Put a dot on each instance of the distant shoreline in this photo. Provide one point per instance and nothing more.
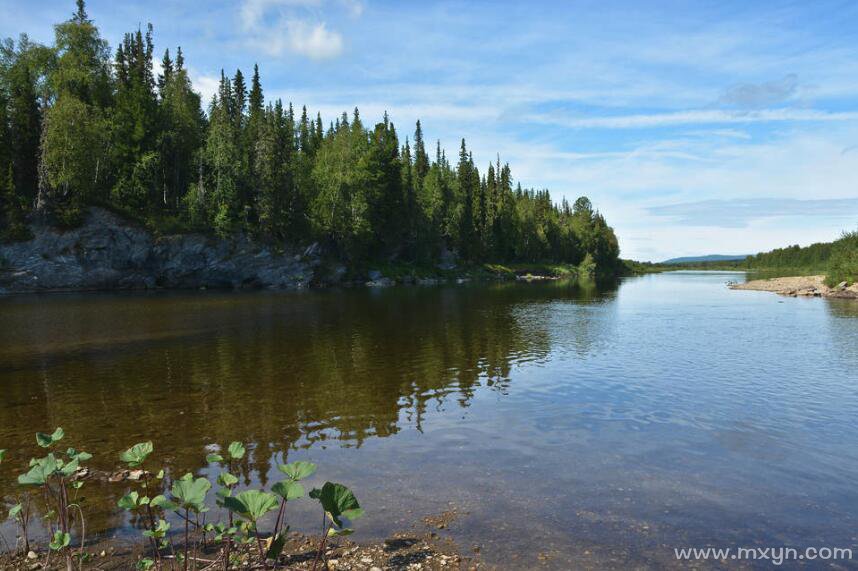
(800, 286)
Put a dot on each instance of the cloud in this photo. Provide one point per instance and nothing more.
(691, 117)
(739, 213)
(759, 95)
(314, 40)
(205, 85)
(253, 11)
(276, 26)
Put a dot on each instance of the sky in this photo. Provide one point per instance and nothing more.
(694, 127)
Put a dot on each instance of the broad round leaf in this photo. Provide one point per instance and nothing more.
(161, 501)
(128, 501)
(337, 500)
(236, 450)
(137, 454)
(298, 470)
(15, 510)
(190, 493)
(251, 504)
(40, 471)
(288, 489)
(46, 440)
(226, 479)
(214, 458)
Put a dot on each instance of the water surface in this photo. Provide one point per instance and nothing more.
(567, 425)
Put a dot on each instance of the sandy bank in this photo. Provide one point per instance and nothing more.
(809, 286)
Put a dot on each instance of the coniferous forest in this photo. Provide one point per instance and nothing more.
(83, 125)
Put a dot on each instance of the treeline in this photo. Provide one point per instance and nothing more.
(838, 259)
(815, 256)
(82, 127)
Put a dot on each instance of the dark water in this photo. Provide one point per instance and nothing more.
(589, 427)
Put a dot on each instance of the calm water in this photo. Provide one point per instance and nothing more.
(592, 427)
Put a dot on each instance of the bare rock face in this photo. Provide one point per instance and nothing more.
(108, 252)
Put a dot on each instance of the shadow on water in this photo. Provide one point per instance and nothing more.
(282, 371)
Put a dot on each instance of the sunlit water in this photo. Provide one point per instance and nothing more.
(589, 427)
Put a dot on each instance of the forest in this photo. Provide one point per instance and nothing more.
(83, 125)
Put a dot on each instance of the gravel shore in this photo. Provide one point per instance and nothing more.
(808, 286)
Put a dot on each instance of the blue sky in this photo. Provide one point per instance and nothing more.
(696, 127)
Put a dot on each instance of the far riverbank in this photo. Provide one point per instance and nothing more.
(795, 286)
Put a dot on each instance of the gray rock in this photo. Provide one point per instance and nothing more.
(107, 252)
(381, 282)
(374, 275)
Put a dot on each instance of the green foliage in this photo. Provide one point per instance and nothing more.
(137, 454)
(298, 470)
(843, 264)
(337, 501)
(191, 493)
(236, 450)
(47, 440)
(79, 128)
(239, 541)
(60, 540)
(251, 504)
(288, 490)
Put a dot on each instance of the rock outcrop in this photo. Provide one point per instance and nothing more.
(108, 252)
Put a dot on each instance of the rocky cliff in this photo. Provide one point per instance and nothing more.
(107, 252)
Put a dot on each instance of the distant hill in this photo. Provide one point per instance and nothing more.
(699, 259)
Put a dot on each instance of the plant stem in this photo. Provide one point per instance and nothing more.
(187, 521)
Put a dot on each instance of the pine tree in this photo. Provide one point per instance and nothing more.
(24, 128)
(421, 159)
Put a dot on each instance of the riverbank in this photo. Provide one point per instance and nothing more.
(411, 550)
(800, 286)
(108, 252)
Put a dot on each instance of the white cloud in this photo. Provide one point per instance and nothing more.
(205, 85)
(691, 117)
(276, 26)
(313, 40)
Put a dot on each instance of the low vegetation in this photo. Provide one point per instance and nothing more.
(157, 500)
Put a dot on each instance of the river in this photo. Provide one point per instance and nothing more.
(565, 425)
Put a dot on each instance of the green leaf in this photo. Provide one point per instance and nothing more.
(136, 455)
(298, 470)
(162, 502)
(15, 510)
(42, 469)
(161, 529)
(288, 489)
(129, 501)
(226, 479)
(251, 504)
(337, 500)
(214, 458)
(70, 468)
(277, 544)
(2, 454)
(160, 474)
(46, 440)
(334, 532)
(190, 493)
(145, 564)
(236, 450)
(77, 485)
(60, 540)
(81, 456)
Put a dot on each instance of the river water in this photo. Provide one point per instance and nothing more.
(565, 426)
